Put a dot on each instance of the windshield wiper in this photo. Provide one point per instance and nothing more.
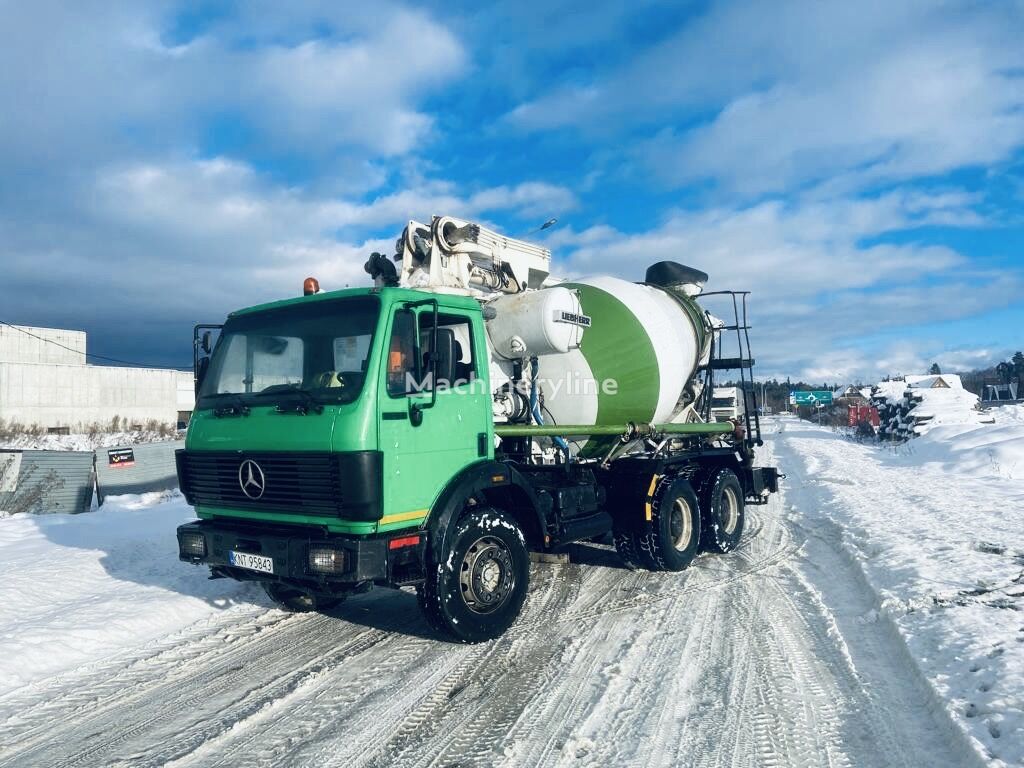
(309, 403)
(236, 408)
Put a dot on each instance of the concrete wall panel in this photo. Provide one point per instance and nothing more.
(77, 396)
(44, 345)
(49, 481)
(152, 469)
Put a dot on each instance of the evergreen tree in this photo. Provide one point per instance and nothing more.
(935, 370)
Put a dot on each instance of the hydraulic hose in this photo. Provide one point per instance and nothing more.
(535, 410)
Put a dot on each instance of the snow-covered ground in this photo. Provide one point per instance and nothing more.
(969, 447)
(1008, 414)
(935, 526)
(869, 618)
(82, 588)
(83, 442)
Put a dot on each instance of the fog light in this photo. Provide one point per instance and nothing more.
(193, 545)
(326, 560)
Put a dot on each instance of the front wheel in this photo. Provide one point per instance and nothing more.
(478, 588)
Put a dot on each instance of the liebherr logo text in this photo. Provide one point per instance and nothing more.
(562, 316)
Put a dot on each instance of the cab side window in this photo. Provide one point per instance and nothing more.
(455, 342)
(402, 368)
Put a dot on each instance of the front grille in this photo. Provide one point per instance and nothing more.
(306, 483)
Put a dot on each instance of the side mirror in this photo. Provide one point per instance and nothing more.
(206, 343)
(427, 362)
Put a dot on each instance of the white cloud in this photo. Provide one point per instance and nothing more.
(362, 92)
(799, 249)
(824, 287)
(899, 358)
(106, 71)
(219, 199)
(798, 92)
(914, 113)
(114, 118)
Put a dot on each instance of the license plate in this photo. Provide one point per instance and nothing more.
(252, 562)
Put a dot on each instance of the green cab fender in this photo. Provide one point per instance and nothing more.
(490, 483)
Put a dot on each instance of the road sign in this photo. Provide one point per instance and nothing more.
(817, 397)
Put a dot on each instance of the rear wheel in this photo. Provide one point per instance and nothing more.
(626, 545)
(672, 536)
(478, 589)
(724, 512)
(296, 601)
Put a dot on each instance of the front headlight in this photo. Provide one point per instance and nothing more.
(192, 544)
(326, 560)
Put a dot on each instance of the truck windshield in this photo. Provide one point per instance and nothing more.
(320, 349)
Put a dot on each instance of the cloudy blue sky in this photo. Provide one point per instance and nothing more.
(859, 166)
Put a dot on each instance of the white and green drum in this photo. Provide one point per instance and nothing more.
(639, 352)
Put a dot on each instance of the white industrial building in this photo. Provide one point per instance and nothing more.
(46, 382)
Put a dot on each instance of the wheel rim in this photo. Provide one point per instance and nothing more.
(486, 575)
(681, 525)
(730, 511)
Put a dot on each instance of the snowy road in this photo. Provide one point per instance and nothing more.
(758, 658)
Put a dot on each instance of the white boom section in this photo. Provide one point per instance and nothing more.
(457, 256)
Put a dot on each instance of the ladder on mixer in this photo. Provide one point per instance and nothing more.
(743, 362)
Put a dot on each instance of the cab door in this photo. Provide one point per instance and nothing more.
(435, 410)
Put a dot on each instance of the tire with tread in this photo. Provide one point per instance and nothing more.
(626, 545)
(723, 512)
(478, 589)
(671, 539)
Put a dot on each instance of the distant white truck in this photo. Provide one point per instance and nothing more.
(727, 403)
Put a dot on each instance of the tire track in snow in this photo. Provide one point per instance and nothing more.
(734, 662)
(452, 723)
(638, 717)
(194, 694)
(187, 644)
(373, 700)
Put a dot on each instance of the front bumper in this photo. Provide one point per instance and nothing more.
(365, 559)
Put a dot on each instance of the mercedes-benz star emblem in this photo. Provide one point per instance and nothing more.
(250, 477)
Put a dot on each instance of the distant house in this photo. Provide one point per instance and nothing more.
(999, 393)
(852, 395)
(940, 381)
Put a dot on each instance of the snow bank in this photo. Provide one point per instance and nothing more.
(79, 588)
(912, 406)
(979, 450)
(935, 407)
(1007, 414)
(937, 534)
(950, 431)
(84, 442)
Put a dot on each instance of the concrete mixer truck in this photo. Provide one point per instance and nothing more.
(433, 430)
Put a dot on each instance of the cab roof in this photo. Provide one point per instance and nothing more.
(387, 296)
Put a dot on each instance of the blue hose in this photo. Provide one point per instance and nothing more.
(535, 409)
